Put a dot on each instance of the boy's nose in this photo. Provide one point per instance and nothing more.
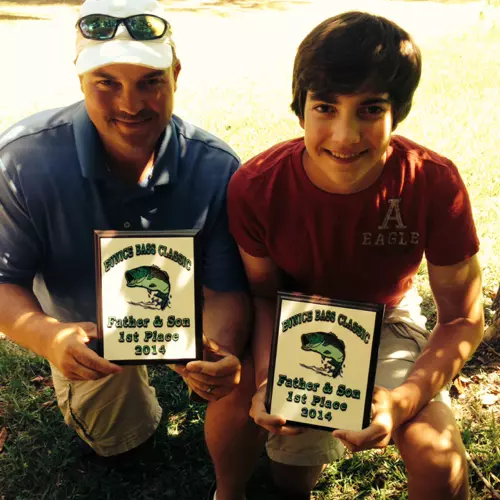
(345, 132)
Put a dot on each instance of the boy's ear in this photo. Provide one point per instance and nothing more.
(301, 122)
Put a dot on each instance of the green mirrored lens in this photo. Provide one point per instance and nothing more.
(144, 27)
(98, 27)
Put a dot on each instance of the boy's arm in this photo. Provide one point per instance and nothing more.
(264, 279)
(458, 332)
(227, 319)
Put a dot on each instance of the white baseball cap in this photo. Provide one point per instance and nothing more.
(122, 48)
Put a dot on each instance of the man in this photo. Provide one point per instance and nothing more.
(118, 160)
(348, 212)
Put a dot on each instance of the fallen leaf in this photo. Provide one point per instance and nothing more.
(489, 399)
(47, 403)
(3, 437)
(46, 381)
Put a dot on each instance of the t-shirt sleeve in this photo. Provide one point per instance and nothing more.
(20, 246)
(451, 236)
(222, 267)
(244, 223)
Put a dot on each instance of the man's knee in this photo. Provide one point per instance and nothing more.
(432, 449)
(113, 414)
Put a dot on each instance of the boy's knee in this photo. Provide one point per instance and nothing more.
(234, 409)
(291, 488)
(432, 450)
(295, 482)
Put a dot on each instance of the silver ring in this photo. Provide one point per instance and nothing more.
(210, 388)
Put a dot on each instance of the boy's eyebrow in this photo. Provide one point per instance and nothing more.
(375, 100)
(333, 99)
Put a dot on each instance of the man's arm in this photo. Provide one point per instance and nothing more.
(226, 327)
(63, 344)
(458, 332)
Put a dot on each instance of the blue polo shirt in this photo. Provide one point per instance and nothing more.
(55, 191)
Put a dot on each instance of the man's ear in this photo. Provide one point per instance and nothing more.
(80, 77)
(301, 122)
(176, 69)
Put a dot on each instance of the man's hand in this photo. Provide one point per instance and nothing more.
(215, 377)
(386, 417)
(272, 423)
(71, 356)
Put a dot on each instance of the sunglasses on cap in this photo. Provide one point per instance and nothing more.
(140, 27)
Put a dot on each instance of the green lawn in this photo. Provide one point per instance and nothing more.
(243, 97)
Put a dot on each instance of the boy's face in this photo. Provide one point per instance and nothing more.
(346, 140)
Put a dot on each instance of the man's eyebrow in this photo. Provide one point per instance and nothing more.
(153, 74)
(107, 76)
(102, 74)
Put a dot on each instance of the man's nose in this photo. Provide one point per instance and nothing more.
(130, 101)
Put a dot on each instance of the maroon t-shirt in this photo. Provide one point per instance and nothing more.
(365, 246)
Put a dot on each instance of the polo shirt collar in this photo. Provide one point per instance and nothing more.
(91, 152)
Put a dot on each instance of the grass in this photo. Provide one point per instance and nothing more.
(240, 91)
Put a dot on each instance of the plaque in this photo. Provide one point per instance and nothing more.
(323, 361)
(148, 296)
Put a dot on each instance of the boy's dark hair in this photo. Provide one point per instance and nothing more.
(357, 52)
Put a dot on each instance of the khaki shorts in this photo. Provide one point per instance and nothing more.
(113, 414)
(400, 345)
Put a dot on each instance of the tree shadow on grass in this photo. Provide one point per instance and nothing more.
(23, 3)
(187, 5)
(4, 16)
(219, 6)
(439, 1)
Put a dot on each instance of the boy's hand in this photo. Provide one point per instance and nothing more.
(71, 356)
(272, 423)
(386, 417)
(215, 377)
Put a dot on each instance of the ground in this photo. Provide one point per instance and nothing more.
(235, 81)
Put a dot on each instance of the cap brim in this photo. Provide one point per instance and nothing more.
(98, 54)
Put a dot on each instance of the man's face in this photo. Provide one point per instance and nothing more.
(346, 140)
(130, 105)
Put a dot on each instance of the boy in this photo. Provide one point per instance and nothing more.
(348, 212)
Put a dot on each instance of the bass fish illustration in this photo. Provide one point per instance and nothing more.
(329, 347)
(154, 280)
